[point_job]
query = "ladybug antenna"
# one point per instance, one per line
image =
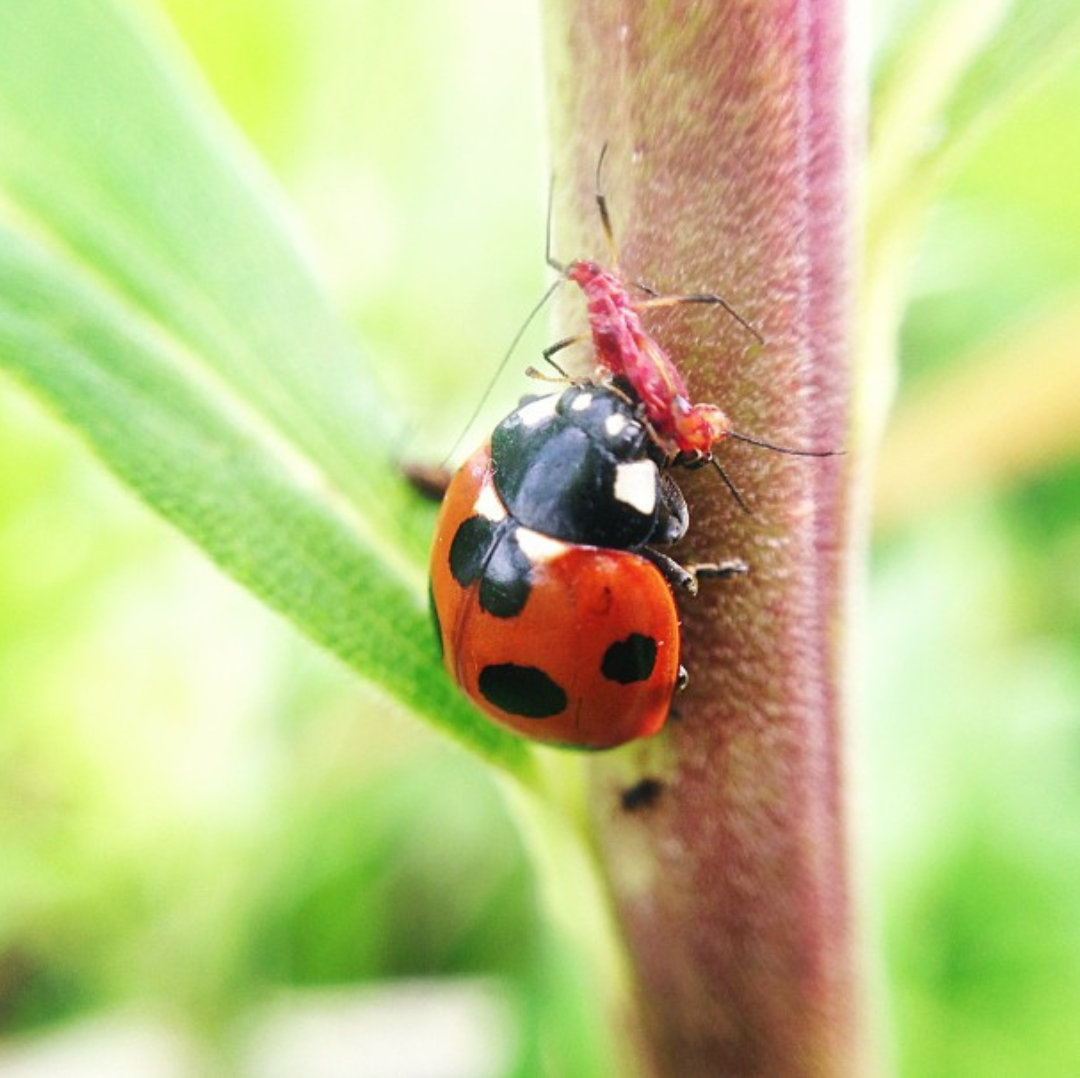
(731, 486)
(788, 450)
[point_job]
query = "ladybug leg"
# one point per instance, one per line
(686, 577)
(719, 570)
(558, 346)
(677, 576)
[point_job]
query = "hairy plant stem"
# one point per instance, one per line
(729, 169)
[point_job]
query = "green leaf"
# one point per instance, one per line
(954, 67)
(153, 293)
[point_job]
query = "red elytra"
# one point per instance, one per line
(592, 658)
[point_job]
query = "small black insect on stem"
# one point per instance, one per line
(642, 795)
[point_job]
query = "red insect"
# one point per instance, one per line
(625, 349)
(684, 430)
(554, 606)
(628, 355)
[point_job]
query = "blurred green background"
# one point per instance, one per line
(201, 816)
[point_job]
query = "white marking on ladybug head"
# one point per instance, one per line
(615, 424)
(582, 402)
(537, 547)
(636, 485)
(488, 504)
(535, 412)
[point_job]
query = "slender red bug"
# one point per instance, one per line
(684, 430)
(625, 351)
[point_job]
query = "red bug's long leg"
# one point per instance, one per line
(605, 220)
(555, 379)
(701, 462)
(726, 479)
(656, 300)
(558, 346)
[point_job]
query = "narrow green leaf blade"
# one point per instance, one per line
(152, 292)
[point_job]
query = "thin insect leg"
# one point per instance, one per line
(687, 577)
(558, 346)
(731, 486)
(555, 379)
(674, 573)
(657, 300)
(719, 570)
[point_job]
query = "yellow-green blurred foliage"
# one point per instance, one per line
(972, 692)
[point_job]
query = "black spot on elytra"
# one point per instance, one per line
(524, 691)
(507, 579)
(630, 660)
(488, 551)
(641, 795)
(469, 549)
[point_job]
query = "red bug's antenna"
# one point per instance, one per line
(605, 221)
(656, 299)
(485, 396)
(786, 450)
(605, 215)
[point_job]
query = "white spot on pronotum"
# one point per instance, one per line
(537, 547)
(635, 485)
(535, 412)
(488, 505)
(582, 402)
(615, 424)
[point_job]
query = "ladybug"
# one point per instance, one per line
(555, 611)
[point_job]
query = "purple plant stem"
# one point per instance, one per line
(729, 169)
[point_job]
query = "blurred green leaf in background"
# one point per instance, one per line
(973, 681)
(199, 811)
